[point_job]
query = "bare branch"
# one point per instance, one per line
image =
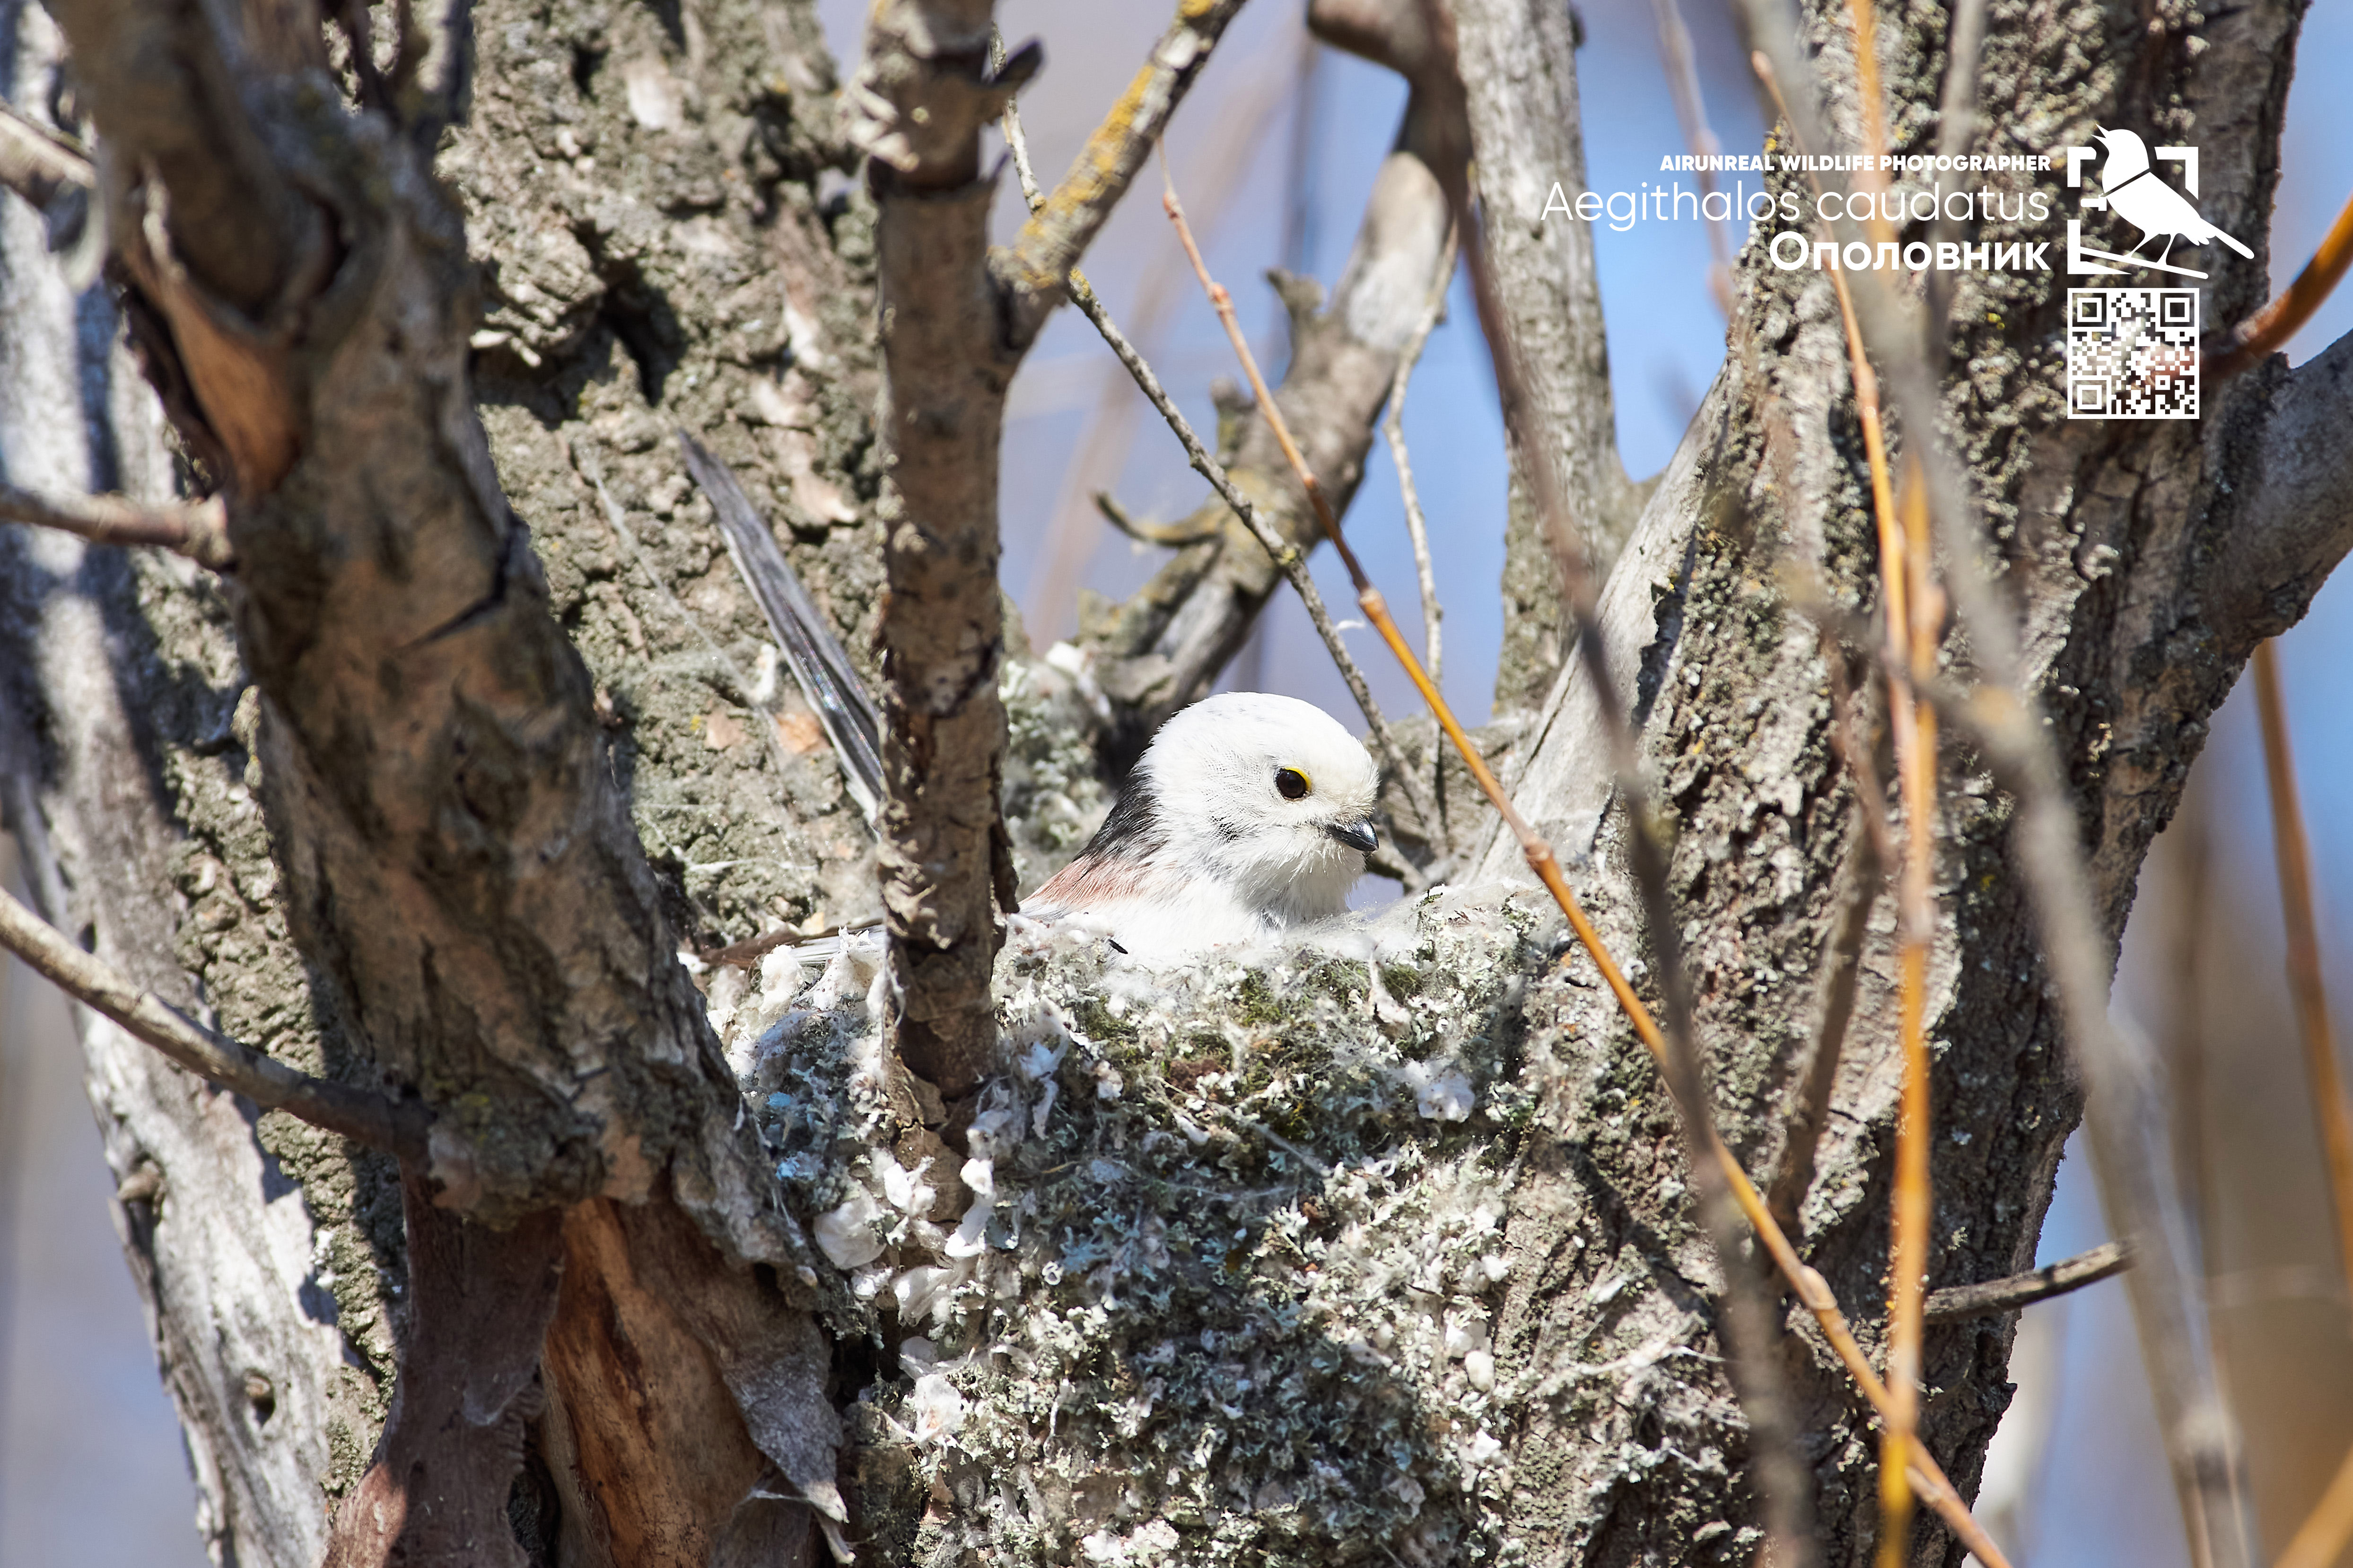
(396, 1127)
(161, 88)
(1959, 1303)
(2268, 329)
(2287, 518)
(924, 93)
(1059, 232)
(1166, 645)
(1160, 535)
(36, 164)
(1518, 78)
(198, 530)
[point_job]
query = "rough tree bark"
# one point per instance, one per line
(1306, 1262)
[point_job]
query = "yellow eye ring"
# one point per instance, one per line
(1291, 783)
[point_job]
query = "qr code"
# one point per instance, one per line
(2132, 354)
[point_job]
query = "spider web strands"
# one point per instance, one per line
(2168, 1306)
(2255, 339)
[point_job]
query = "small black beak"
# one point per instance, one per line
(1357, 836)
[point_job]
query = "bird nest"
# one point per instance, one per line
(1211, 1278)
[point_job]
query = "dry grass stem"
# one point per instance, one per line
(1375, 608)
(1909, 621)
(2304, 969)
(2262, 333)
(1417, 527)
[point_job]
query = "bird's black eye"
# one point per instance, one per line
(1290, 783)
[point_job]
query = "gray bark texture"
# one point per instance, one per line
(1519, 83)
(1376, 1248)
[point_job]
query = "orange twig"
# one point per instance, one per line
(2256, 337)
(2325, 1531)
(1906, 599)
(2295, 856)
(1928, 1478)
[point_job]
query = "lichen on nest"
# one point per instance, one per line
(1213, 1278)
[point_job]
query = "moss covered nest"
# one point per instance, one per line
(1210, 1279)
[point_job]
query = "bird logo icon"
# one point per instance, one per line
(2131, 188)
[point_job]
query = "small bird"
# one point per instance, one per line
(1247, 814)
(2148, 203)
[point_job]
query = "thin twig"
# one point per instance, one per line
(2256, 337)
(1393, 431)
(1961, 1302)
(1103, 447)
(2303, 972)
(36, 164)
(197, 530)
(1691, 107)
(1160, 535)
(1376, 610)
(1059, 229)
(1010, 123)
(396, 1127)
(1287, 558)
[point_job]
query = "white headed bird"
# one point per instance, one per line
(1247, 814)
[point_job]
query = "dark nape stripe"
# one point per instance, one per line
(1133, 830)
